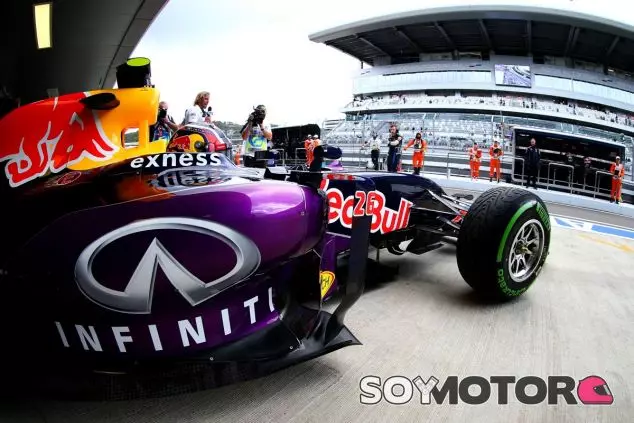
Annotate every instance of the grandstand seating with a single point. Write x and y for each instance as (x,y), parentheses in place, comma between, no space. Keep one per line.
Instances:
(529,102)
(456,131)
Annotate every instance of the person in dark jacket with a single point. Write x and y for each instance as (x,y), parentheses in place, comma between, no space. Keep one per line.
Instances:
(533,158)
(394,142)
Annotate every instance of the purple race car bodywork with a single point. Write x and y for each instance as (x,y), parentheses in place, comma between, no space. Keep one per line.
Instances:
(135,267)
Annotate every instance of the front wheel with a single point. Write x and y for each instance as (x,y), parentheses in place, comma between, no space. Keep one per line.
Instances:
(503,242)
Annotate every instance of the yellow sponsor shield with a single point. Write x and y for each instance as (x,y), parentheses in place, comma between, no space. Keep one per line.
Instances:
(326,279)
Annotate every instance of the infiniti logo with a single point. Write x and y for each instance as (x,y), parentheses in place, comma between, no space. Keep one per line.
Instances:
(137,296)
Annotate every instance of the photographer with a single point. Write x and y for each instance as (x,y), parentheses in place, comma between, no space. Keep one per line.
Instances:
(164,126)
(256,134)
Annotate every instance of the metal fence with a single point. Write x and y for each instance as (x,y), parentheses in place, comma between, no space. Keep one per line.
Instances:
(451,161)
(457,131)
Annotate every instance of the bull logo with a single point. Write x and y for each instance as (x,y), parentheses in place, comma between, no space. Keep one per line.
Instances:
(49,136)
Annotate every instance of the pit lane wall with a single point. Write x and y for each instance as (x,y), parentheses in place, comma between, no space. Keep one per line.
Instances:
(549,196)
(452,168)
(455,164)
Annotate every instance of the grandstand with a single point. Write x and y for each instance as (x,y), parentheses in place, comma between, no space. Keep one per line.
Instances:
(477,72)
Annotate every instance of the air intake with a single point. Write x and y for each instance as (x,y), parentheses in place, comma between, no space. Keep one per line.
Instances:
(134,73)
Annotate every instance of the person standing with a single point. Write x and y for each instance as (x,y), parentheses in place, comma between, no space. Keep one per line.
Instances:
(200,112)
(375,149)
(420,148)
(312,146)
(533,159)
(165,125)
(475,155)
(236,158)
(317,155)
(394,149)
(495,152)
(315,142)
(256,133)
(587,164)
(308,142)
(618,172)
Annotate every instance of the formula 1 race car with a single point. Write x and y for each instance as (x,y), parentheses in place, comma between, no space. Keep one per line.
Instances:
(150,272)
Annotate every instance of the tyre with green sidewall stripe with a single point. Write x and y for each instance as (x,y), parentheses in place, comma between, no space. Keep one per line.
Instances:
(488,242)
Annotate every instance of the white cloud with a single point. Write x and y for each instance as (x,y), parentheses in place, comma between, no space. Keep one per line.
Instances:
(249,52)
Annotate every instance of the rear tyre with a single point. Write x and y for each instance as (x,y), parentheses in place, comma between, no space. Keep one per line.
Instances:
(503,242)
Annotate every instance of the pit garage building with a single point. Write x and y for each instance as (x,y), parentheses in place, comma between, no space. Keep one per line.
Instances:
(65,46)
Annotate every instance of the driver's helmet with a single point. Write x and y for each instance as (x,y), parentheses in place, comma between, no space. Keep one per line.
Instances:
(196,139)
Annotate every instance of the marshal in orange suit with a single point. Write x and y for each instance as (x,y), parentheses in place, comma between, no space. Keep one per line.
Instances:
(618,171)
(495,152)
(420,147)
(475,156)
(308,142)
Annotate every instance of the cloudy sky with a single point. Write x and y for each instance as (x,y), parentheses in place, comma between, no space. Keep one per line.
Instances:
(249,52)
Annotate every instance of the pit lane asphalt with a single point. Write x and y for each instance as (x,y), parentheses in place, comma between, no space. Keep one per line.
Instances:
(575,321)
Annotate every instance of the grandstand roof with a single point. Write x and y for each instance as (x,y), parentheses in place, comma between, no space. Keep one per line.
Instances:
(506,30)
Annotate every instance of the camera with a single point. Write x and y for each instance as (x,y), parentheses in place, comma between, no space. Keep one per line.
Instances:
(162,113)
(257,116)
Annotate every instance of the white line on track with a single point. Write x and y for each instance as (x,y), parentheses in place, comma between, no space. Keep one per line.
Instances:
(592,221)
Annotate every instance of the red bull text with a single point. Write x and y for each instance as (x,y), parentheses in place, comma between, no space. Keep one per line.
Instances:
(373,203)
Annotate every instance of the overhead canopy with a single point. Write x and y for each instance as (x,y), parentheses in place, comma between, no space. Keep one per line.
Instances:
(505,30)
(89,39)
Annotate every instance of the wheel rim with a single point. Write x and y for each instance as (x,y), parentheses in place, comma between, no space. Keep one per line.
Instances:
(526,251)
